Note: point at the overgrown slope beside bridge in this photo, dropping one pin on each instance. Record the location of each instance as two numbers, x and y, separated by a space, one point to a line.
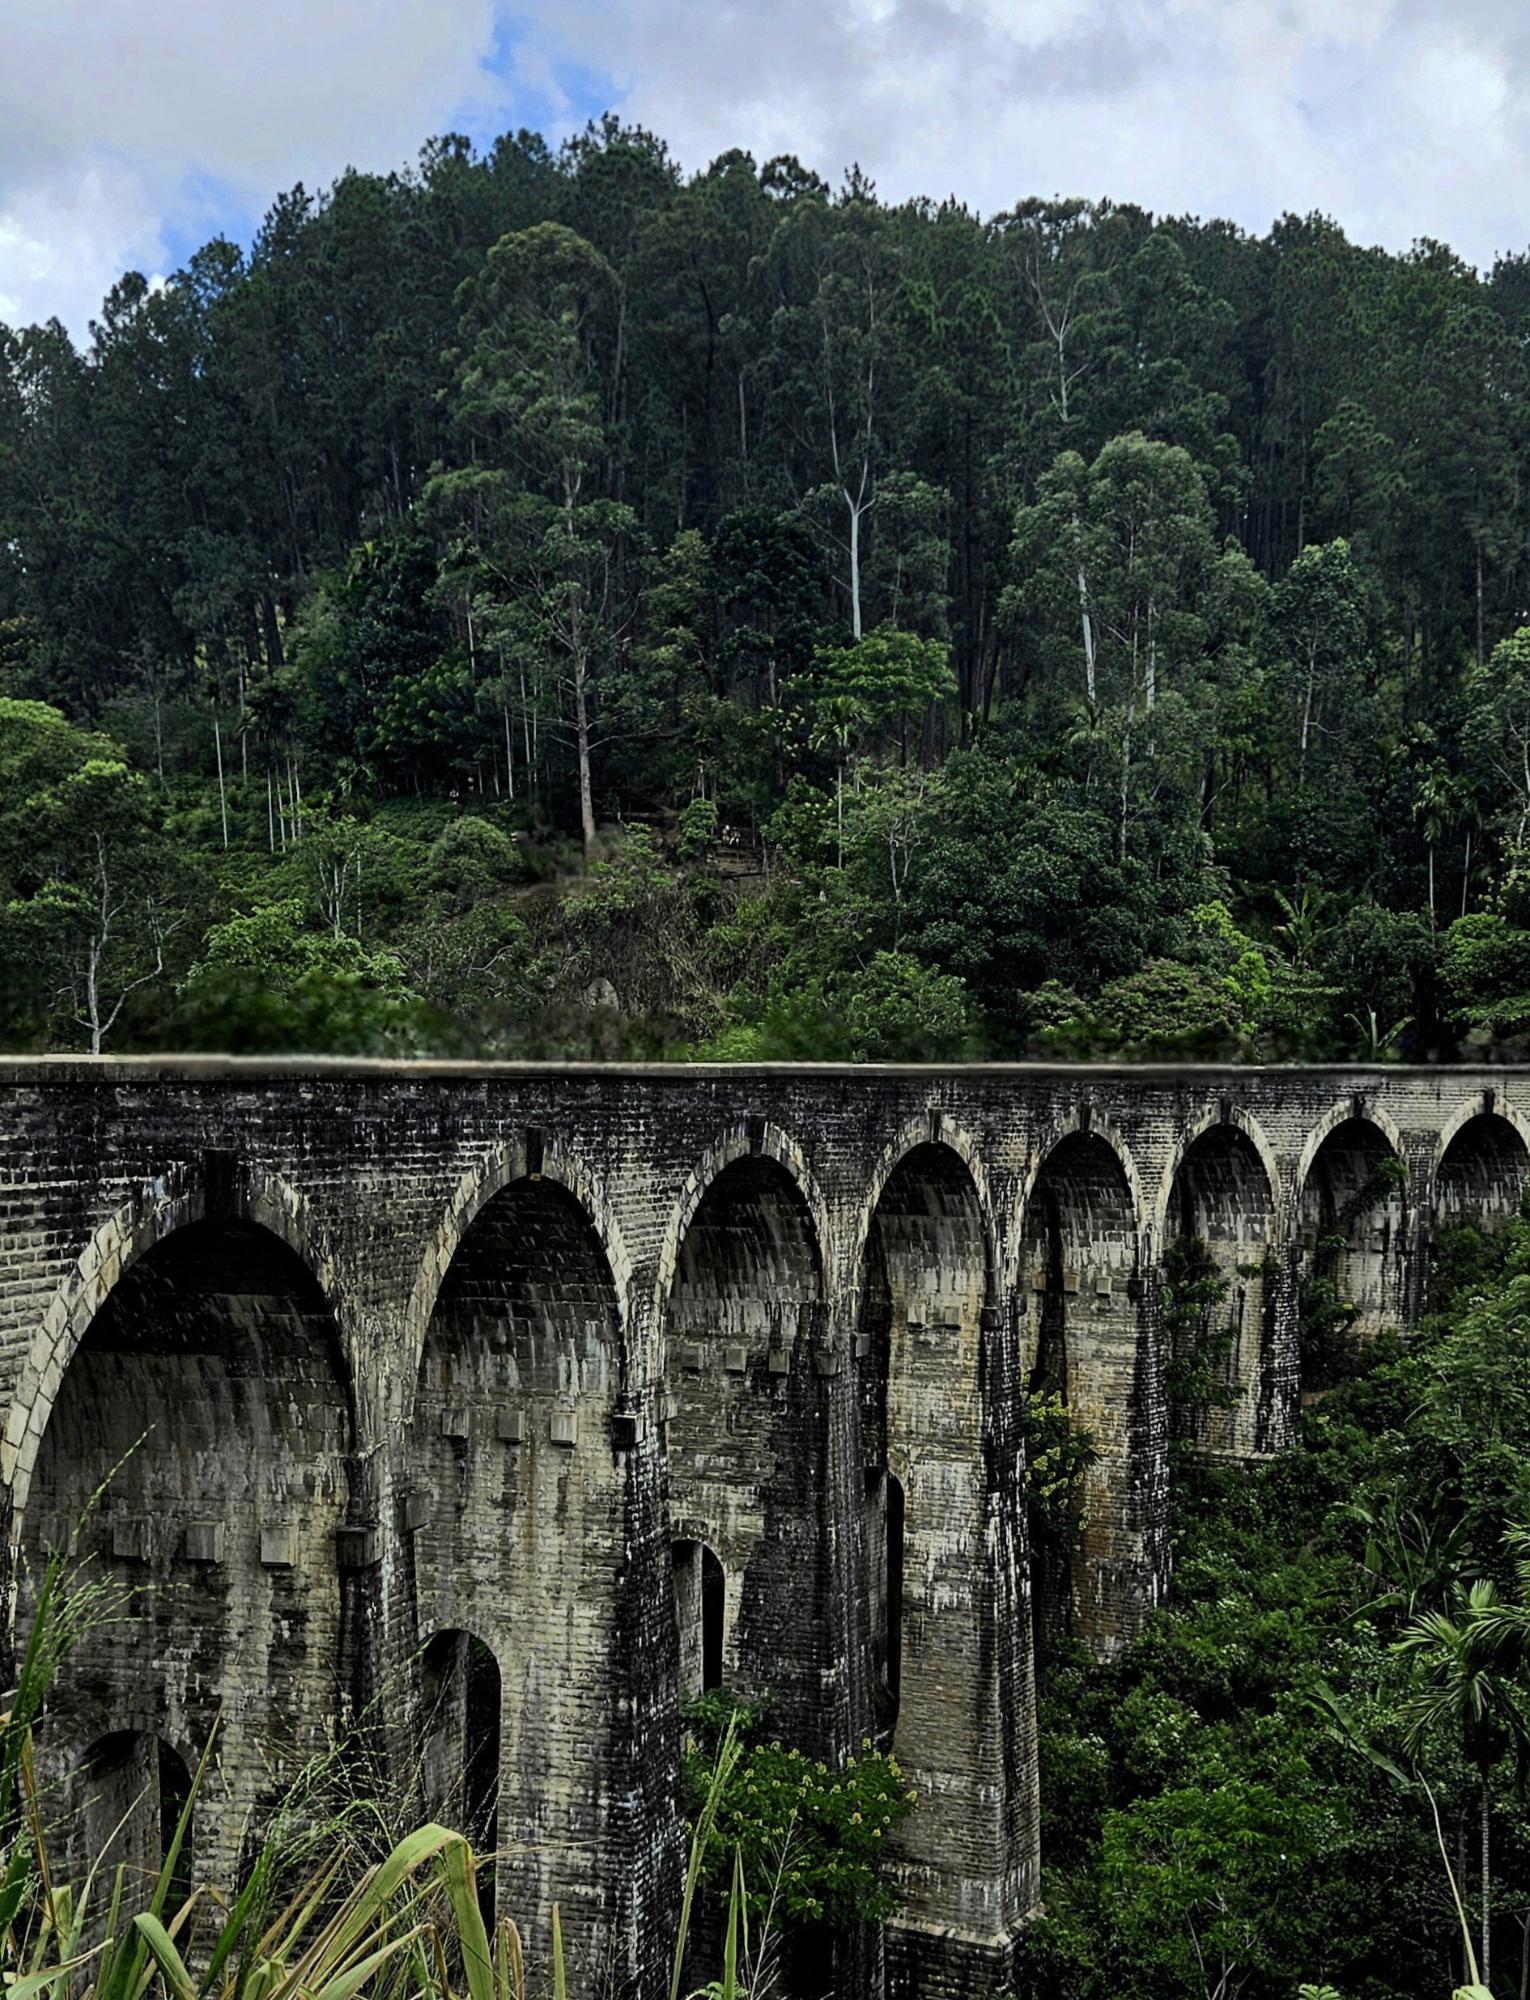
530 1398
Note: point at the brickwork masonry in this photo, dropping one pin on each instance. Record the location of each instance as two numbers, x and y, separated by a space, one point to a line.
553 1393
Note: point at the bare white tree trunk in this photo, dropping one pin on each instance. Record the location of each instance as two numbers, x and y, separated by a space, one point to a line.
855 566
1088 623
222 798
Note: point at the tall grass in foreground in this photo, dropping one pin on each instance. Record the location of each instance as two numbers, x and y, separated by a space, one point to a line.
330 1908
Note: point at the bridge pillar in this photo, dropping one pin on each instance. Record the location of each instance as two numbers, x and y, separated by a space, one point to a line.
1280 1369
947 1578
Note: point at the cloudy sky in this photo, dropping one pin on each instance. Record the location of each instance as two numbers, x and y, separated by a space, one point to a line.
130 130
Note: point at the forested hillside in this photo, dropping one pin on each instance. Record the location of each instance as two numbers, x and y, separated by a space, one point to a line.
552 602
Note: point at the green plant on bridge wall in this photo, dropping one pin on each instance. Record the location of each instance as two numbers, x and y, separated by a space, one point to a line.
810 1837
1059 1450
1196 1342
1325 1318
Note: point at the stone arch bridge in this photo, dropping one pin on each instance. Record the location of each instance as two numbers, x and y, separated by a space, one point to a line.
516 1401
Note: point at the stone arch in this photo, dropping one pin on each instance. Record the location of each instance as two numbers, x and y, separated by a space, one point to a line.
1084 1338
519 1511
543 1159
934 1129
764 1141
1351 1223
1087 1123
747 1375
1481 1165
161 1207
1357 1109
1208 1119
1219 1225
199 1449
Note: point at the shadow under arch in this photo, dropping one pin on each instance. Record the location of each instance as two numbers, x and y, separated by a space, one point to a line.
520 1506
943 1633
176 1199
1351 1222
745 1434
1084 1341
1219 1226
210 1394
767 1142
1481 1167
475 1190
941 1132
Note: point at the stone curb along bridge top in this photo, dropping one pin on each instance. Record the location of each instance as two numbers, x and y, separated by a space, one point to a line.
518 1401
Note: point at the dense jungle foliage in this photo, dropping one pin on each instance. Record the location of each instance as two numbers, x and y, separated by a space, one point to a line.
1324 1740
547 602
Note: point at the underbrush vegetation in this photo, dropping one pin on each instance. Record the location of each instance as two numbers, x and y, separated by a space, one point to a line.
785 1853
1321 1743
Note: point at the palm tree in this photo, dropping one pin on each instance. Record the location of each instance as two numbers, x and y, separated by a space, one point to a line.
1466 1690
1435 809
840 718
1306 922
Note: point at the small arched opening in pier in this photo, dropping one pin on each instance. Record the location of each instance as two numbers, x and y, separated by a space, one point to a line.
129 1791
461 1703
700 1612
742 1355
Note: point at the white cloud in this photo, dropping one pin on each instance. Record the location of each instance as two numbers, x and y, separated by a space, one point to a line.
115 114
60 235
1401 117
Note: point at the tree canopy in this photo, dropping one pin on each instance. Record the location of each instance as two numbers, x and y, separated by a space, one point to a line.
956 604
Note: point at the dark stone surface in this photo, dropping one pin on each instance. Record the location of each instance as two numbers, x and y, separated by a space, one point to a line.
403 1351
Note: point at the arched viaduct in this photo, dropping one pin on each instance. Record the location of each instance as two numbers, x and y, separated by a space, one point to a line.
548 1393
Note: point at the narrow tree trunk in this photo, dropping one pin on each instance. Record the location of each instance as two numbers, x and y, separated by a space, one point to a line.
222 800
855 566
1487 1928
92 1002
1481 650
582 732
1088 623
1466 872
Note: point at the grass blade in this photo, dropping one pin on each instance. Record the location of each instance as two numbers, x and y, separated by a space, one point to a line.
462 1887
161 1947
